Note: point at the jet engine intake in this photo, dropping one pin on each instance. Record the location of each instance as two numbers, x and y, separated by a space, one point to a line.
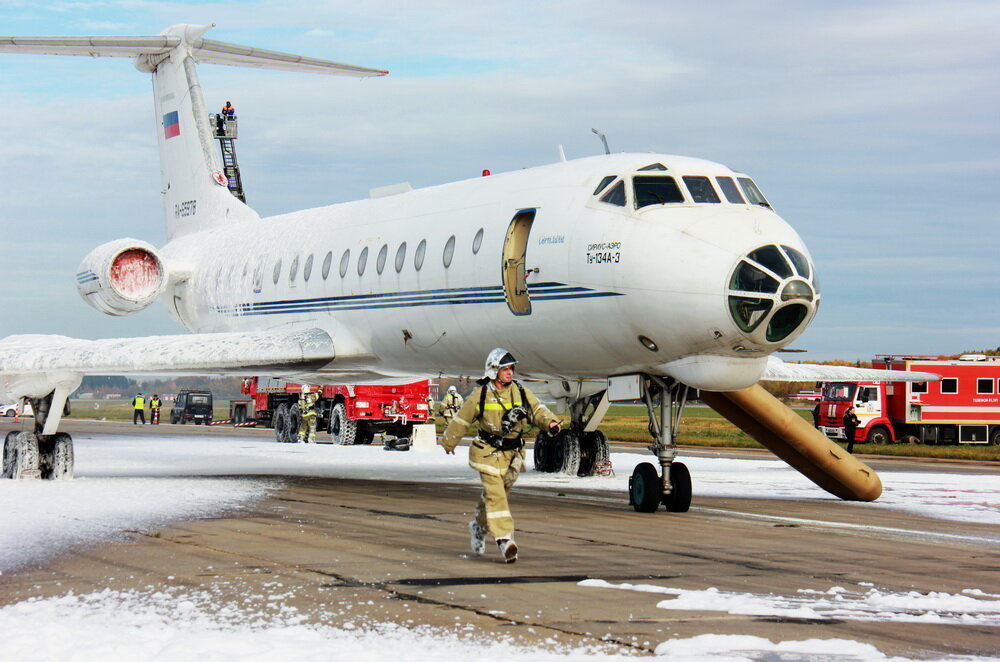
121 277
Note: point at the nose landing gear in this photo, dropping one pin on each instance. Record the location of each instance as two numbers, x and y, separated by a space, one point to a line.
671 486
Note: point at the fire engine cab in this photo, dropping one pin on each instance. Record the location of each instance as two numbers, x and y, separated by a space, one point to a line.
964 407
353 414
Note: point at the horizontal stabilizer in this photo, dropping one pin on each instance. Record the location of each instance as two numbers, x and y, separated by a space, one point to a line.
200 353
779 371
153 48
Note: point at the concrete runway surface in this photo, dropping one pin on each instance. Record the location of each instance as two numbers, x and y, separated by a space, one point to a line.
392 551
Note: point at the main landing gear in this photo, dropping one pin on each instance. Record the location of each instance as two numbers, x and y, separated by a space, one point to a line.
671 486
582 449
37 454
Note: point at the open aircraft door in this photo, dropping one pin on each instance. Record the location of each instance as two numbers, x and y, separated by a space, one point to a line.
515 248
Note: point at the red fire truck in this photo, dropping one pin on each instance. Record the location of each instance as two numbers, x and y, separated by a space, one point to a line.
352 414
964 407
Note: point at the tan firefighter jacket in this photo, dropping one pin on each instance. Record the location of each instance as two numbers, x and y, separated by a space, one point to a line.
496 404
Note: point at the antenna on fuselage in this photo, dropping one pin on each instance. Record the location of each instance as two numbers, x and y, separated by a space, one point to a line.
604 140
562 154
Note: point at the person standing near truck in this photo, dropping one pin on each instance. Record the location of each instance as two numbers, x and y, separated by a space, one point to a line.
154 410
850 426
307 410
451 404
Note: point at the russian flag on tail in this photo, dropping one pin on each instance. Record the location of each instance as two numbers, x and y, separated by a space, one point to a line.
171 125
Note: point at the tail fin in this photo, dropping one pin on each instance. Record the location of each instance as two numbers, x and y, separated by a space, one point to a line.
195 195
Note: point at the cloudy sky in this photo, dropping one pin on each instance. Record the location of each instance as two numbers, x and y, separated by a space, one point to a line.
873 128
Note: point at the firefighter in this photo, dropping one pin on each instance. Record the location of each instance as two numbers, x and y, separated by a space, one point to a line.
430 409
451 404
505 411
816 415
154 410
850 425
307 410
138 409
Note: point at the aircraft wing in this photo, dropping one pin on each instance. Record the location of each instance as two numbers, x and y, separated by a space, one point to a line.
27 362
779 371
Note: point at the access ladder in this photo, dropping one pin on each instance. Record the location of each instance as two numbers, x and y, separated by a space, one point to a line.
227 143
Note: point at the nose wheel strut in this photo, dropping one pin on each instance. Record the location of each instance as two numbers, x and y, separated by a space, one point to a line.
671 485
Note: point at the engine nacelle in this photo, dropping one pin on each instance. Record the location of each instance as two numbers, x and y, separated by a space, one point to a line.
121 276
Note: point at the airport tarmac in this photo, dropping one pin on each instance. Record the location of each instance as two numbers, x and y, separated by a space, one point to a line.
362 551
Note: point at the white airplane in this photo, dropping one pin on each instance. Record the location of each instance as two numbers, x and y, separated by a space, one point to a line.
616 277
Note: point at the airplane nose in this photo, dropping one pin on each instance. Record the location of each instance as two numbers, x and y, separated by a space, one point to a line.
773 293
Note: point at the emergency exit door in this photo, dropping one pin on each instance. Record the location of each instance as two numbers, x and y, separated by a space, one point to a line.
515 248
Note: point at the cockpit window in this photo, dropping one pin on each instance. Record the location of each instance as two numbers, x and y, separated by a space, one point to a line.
770 257
653 166
616 196
753 194
701 189
729 190
798 259
656 191
748 278
604 183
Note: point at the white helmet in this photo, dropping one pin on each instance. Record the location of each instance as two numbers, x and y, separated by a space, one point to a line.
498 358
452 389
305 388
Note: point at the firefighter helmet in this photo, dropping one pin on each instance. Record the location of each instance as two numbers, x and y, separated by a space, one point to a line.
305 388
452 389
498 358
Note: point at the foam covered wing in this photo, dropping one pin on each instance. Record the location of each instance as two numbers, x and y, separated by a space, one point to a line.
199 353
779 371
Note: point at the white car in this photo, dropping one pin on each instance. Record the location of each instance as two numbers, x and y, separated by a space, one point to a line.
8 410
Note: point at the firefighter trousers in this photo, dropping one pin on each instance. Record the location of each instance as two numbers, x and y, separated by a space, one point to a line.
498 471
307 428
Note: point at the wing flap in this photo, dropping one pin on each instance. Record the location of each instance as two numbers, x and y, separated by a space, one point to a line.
779 371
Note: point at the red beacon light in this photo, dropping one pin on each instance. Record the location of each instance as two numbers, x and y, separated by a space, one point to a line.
486 173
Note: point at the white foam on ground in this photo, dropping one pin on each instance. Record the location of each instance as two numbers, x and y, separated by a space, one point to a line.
862 603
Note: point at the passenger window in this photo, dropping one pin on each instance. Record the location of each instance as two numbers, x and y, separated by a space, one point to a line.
729 190
258 278
307 270
656 191
701 189
949 386
477 242
418 255
753 194
380 262
277 271
293 271
616 196
400 257
362 261
604 183
449 251
984 386
327 261
344 261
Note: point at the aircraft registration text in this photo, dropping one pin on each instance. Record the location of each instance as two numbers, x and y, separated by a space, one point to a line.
186 208
604 253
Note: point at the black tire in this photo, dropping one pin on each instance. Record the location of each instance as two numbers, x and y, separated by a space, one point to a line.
543 452
878 435
342 431
644 488
10 412
294 424
365 436
9 450
566 453
26 456
679 499
281 423
62 457
594 452
995 436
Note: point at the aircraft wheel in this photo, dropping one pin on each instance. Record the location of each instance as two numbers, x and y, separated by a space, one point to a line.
596 453
27 458
9 451
679 499
343 431
878 435
543 452
644 488
566 455
56 456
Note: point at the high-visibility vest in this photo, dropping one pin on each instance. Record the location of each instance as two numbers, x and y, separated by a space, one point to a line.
138 402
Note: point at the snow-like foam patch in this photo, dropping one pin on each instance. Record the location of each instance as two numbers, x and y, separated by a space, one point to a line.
863 603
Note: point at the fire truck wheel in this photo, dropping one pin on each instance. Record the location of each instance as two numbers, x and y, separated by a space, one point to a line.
294 424
342 430
364 436
995 437
879 435
281 423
